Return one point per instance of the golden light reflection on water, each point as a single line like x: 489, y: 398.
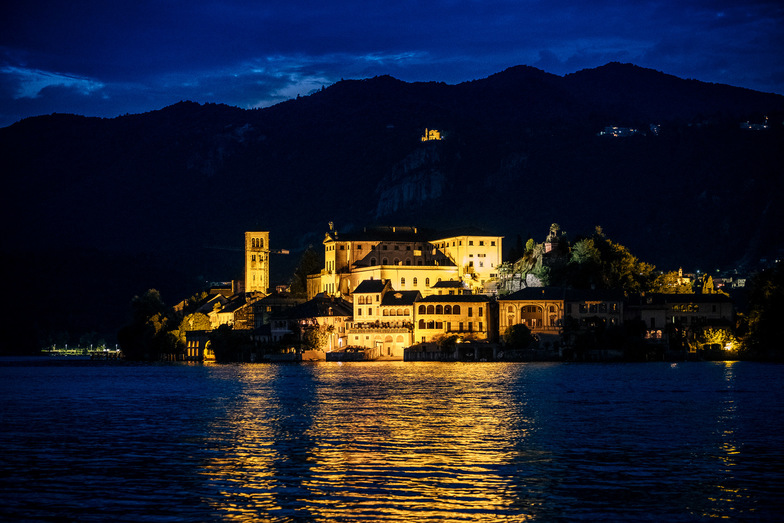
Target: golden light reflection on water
x: 368, y: 442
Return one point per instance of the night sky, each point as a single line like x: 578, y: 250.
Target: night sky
x: 102, y: 58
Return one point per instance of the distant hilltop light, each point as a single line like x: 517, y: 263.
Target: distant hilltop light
x: 431, y: 134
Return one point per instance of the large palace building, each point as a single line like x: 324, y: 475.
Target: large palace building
x: 407, y: 258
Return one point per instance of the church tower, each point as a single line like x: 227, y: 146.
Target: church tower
x: 257, y: 261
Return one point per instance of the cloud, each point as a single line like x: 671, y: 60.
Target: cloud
x: 31, y: 82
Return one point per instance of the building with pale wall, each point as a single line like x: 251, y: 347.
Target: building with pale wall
x: 469, y: 316
x: 383, y: 319
x: 402, y: 255
x: 476, y: 254
x: 257, y: 261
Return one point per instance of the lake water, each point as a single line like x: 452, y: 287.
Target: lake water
x: 109, y: 441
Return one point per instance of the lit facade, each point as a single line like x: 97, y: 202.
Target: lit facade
x: 468, y: 316
x: 541, y: 309
x: 257, y: 261
x: 477, y: 255
x: 401, y: 255
x: 383, y: 319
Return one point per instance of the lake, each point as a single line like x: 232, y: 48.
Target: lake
x: 394, y: 441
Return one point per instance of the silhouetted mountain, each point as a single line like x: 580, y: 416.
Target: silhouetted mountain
x: 100, y: 209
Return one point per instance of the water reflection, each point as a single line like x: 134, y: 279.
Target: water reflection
x: 370, y: 442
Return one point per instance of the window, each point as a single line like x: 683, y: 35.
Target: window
x: 359, y: 312
x: 427, y: 282
x: 422, y: 326
x: 383, y: 247
x: 480, y: 312
x: 470, y: 242
x: 447, y: 309
x: 456, y: 310
x: 372, y: 261
x: 384, y: 261
x: 439, y: 309
x: 492, y: 244
x: 397, y: 247
x: 253, y: 257
x: 431, y: 309
x: 470, y: 311
x: 402, y: 282
x: 481, y: 243
x: 359, y: 247
x: 415, y: 282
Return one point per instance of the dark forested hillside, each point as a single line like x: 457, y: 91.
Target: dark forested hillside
x: 100, y: 209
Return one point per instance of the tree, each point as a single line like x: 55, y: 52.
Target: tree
x: 314, y: 337
x: 766, y: 308
x: 309, y: 263
x: 519, y: 336
x: 149, y: 334
x: 670, y: 283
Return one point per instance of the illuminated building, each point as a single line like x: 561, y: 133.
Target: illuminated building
x: 541, y: 309
x: 431, y: 135
x: 383, y: 319
x: 469, y: 316
x: 401, y: 255
x: 257, y: 261
x: 476, y: 254
x: 686, y: 314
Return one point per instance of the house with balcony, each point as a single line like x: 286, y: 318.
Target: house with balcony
x: 468, y: 316
x: 383, y: 319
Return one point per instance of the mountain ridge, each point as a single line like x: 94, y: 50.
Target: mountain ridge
x: 520, y: 151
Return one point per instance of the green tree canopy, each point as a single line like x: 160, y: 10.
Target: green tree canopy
x: 766, y: 308
x: 309, y: 263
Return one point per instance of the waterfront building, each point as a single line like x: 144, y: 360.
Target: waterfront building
x: 328, y: 315
x: 685, y: 314
x: 469, y: 316
x: 541, y: 309
x: 383, y: 318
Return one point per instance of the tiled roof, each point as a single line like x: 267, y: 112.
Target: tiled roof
x: 400, y: 298
x: 370, y: 286
x: 463, y: 298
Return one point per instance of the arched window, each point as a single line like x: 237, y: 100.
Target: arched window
x: 421, y: 324
x: 408, y: 262
x: 456, y: 309
x: 421, y: 309
x: 384, y: 261
x: 439, y: 309
x: 401, y: 312
x: 419, y: 262
x: 447, y: 309
x: 372, y: 261
x: 386, y: 312
x: 427, y: 282
x: 415, y: 282
x: 392, y: 312
x: 510, y: 309
x: 551, y: 308
x: 431, y: 309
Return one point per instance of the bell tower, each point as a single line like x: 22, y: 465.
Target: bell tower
x: 257, y: 261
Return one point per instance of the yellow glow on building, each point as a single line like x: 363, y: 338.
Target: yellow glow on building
x: 257, y: 261
x: 431, y: 135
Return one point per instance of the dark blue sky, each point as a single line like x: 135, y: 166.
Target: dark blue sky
x: 103, y: 58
